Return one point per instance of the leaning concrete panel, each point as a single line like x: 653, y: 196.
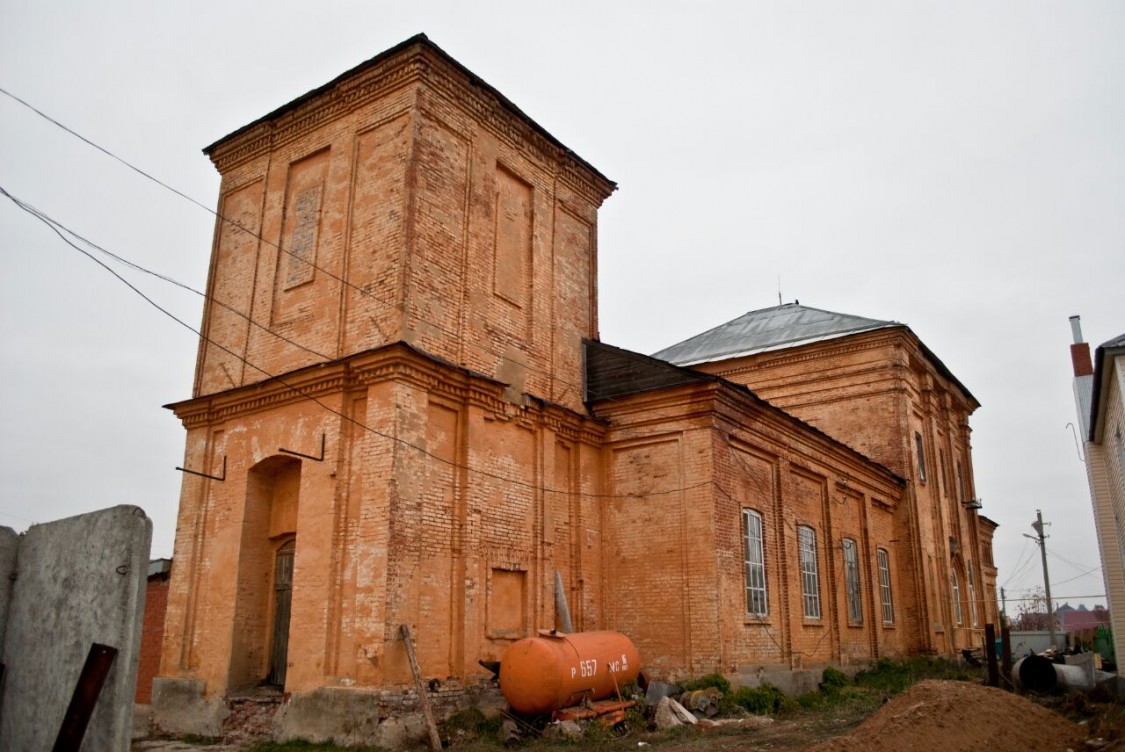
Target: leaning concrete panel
x: 9, y: 545
x: 79, y: 580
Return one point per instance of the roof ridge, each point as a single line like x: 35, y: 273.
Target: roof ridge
x: 736, y: 337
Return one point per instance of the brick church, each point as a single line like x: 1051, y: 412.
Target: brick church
x: 402, y: 414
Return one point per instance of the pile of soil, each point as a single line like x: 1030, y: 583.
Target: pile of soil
x: 959, y: 716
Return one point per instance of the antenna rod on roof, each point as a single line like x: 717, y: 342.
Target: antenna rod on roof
x: 779, y: 289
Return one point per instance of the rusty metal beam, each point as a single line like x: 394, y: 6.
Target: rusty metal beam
x: 86, y: 692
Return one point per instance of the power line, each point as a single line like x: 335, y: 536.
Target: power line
x: 17, y: 517
x: 580, y: 389
x: 59, y: 229
x: 105, y: 151
x: 258, y: 236
x: 1077, y: 577
x: 1071, y: 562
x: 1022, y: 563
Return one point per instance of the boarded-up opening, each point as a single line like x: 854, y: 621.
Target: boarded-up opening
x: 507, y: 611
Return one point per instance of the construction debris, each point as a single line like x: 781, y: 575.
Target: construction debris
x: 670, y: 714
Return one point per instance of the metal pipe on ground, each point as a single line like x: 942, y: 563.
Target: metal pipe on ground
x: 1038, y: 674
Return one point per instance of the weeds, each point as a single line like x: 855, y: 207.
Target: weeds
x: 300, y: 745
x: 892, y: 677
x: 764, y: 700
x: 718, y: 681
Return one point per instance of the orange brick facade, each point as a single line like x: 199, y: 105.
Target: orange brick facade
x: 886, y: 395
x: 392, y: 385
x: 683, y: 465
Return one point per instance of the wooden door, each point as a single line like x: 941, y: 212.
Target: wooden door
x: 282, y: 599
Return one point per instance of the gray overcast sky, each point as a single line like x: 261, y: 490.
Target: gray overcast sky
x: 956, y: 166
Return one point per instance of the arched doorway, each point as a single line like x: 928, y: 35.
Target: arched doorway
x: 266, y: 559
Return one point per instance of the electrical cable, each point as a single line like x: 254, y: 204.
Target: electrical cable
x: 60, y: 229
x: 1020, y: 562
x: 580, y: 389
x: 305, y: 394
x: 1076, y: 577
x: 343, y: 282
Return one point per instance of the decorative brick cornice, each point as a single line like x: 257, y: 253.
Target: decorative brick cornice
x: 397, y: 362
x: 346, y: 96
x: 818, y: 350
x: 420, y: 61
x: 496, y: 114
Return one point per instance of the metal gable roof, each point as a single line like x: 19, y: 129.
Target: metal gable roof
x: 767, y: 329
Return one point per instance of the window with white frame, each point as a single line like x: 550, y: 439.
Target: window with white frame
x: 757, y: 602
x: 810, y: 576
x: 921, y: 457
x: 851, y: 581
x: 885, y: 586
x: 956, y: 598
x: 972, y: 596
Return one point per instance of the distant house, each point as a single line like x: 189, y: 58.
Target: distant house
x: 1072, y: 619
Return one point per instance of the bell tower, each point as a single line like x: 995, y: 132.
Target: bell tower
x: 404, y: 201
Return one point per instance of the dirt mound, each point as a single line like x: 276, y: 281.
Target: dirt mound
x: 959, y: 717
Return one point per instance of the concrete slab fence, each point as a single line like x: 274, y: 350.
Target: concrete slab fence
x: 65, y: 585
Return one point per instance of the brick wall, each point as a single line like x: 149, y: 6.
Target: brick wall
x: 152, y: 635
x: 683, y: 464
x: 876, y: 392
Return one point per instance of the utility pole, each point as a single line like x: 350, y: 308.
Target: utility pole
x: 1041, y: 540
x: 1003, y: 604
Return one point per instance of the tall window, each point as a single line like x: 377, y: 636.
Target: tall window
x: 921, y: 457
x: 851, y: 580
x: 757, y: 603
x: 885, y: 587
x: 957, y: 598
x: 961, y: 484
x: 810, y: 577
x: 972, y: 596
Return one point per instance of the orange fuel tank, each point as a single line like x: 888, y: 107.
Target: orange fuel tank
x: 542, y: 674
